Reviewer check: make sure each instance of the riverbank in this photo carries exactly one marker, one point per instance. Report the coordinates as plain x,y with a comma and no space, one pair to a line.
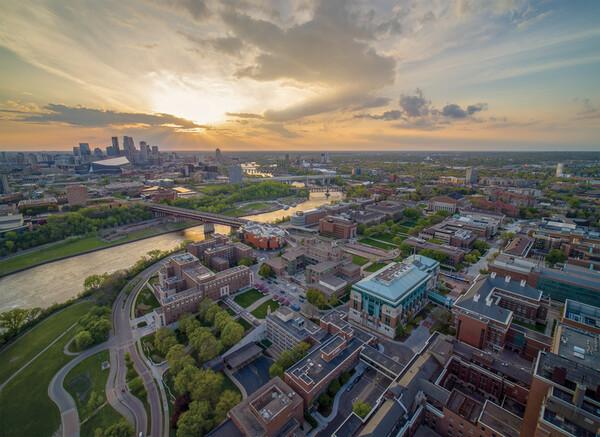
80,246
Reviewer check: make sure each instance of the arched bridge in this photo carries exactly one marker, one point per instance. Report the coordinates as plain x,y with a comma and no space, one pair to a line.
205,217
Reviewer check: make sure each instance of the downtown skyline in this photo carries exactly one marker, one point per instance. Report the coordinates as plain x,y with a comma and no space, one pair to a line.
301,75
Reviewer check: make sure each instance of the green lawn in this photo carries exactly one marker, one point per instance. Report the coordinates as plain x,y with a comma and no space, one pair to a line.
247,298
375,266
359,260
105,417
76,245
145,302
379,244
28,345
87,378
261,311
25,408
229,385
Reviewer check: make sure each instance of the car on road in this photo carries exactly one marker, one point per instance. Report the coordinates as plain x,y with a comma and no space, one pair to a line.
295,307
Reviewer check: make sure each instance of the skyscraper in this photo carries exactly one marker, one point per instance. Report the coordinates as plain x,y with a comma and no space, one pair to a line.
84,149
560,167
115,146
471,176
218,155
4,186
144,152
235,173
129,148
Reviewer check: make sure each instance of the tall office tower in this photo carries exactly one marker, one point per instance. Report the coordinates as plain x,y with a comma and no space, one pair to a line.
235,174
219,156
4,186
144,152
76,151
129,148
110,151
98,152
471,176
84,149
115,146
560,167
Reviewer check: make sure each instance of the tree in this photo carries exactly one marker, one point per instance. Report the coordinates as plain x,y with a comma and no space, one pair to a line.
231,333
481,246
188,323
325,402
119,429
83,340
95,400
203,307
246,261
211,313
227,401
164,339
94,282
206,386
13,320
183,380
361,408
555,256
195,421
397,240
334,387
266,271
276,370
222,318
316,297
205,344
178,358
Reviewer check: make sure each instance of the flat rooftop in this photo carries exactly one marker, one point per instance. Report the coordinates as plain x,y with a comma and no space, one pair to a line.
393,282
582,313
500,420
578,345
574,275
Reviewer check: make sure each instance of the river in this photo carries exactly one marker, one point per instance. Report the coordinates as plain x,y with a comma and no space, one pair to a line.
61,280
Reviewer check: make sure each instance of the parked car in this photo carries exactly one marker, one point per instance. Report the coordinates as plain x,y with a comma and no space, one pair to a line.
295,307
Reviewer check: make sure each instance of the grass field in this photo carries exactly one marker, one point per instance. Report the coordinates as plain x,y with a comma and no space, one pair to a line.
261,311
247,298
75,246
375,266
27,346
359,260
87,378
27,393
145,302
379,244
103,418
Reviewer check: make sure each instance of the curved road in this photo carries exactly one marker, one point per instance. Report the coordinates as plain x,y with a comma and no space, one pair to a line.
56,391
124,342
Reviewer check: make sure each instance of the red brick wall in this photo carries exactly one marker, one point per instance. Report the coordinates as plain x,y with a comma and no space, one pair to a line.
471,331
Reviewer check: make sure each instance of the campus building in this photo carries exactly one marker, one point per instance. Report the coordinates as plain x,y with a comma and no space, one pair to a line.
286,328
184,282
337,227
273,410
263,236
557,284
443,203
454,255
392,295
487,316
449,389
451,233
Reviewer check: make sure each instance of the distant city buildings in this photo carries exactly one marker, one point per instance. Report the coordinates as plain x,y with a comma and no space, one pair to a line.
235,174
471,176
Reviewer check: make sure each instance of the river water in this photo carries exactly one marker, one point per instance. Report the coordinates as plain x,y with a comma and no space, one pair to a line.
61,280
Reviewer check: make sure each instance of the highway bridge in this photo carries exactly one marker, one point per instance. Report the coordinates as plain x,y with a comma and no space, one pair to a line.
206,217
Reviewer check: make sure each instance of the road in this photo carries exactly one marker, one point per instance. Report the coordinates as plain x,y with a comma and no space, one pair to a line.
122,342
68,409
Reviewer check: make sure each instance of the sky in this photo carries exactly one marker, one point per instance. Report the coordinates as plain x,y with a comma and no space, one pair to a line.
301,74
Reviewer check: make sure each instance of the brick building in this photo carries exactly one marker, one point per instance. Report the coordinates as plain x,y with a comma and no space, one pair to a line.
337,227
184,282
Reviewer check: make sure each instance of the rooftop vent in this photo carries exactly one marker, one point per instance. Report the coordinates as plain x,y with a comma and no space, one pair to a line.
523,282
476,298
507,279
493,275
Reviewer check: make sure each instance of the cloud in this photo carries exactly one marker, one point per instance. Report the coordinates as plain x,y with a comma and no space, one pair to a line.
330,52
279,129
415,106
229,45
588,111
198,9
417,112
88,117
244,115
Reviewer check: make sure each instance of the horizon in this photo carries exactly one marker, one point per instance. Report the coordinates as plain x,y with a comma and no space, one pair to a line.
388,75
